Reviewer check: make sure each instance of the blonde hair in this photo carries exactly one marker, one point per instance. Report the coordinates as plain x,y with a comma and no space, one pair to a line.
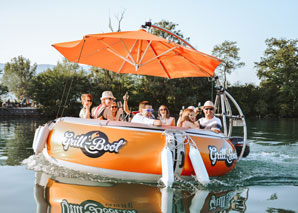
185,117
83,96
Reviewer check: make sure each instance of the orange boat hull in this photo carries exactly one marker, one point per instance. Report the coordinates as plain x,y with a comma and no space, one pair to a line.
130,151
72,195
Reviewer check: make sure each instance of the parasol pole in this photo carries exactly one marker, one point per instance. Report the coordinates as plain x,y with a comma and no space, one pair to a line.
149,24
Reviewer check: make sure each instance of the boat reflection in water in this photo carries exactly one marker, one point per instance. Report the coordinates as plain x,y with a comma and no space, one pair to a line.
75,195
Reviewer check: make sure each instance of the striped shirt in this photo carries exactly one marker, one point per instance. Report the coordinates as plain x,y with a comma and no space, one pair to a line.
212,124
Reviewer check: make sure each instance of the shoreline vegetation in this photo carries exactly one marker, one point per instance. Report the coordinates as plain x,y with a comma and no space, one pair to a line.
58,89
46,89
19,112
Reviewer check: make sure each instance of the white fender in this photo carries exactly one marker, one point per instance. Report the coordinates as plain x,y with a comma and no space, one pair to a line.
198,201
167,195
198,165
40,138
167,167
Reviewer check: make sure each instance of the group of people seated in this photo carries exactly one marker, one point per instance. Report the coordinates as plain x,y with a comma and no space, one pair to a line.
110,110
107,110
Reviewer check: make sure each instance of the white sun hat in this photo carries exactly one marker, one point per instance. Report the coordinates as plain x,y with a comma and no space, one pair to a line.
107,94
208,104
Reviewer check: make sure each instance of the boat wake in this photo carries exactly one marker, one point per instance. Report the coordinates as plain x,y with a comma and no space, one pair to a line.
38,163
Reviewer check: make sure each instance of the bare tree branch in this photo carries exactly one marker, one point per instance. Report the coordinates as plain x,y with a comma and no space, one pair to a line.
110,24
120,18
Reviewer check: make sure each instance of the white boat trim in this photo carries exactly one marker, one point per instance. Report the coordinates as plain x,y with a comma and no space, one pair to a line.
140,127
107,173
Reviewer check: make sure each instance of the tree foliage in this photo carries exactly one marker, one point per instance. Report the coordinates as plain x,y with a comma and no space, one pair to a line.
228,53
3,89
17,76
278,71
60,87
174,93
64,84
168,25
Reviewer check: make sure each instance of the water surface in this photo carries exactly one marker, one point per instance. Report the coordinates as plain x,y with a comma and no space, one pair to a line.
266,181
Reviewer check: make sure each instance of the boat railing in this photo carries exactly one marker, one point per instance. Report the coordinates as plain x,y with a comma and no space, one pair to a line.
224,111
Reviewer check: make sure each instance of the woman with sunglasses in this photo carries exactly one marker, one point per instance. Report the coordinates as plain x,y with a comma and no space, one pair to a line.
116,112
188,119
210,122
164,116
86,100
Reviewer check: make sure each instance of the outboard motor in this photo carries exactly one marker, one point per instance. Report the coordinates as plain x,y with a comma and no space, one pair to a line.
238,144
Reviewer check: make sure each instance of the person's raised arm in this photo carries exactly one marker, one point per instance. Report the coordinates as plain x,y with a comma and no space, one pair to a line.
157,123
125,99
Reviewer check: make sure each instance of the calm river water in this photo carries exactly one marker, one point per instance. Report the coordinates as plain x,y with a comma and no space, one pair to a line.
266,181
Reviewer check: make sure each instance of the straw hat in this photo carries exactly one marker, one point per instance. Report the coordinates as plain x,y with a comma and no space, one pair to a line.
208,104
107,94
191,107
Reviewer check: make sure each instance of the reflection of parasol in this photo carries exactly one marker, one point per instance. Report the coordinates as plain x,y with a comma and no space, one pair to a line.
139,52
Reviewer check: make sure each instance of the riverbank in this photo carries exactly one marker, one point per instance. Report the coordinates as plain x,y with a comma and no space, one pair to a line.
19,112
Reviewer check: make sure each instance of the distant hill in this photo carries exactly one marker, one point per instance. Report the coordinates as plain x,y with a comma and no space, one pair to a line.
40,67
43,67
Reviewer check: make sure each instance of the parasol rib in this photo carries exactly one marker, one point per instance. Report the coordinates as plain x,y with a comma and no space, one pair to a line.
199,68
157,56
139,51
126,57
145,51
160,62
127,51
110,49
81,51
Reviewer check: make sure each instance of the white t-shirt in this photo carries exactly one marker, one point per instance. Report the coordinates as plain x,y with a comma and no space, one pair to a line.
168,121
84,113
141,119
212,124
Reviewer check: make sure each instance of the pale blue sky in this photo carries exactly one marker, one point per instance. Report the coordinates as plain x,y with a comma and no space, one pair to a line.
29,27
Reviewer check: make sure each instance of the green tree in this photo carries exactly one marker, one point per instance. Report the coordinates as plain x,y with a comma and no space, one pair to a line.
228,53
61,86
18,75
102,79
174,93
3,89
168,25
278,72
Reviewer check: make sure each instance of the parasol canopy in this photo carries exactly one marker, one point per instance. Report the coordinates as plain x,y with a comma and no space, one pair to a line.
140,53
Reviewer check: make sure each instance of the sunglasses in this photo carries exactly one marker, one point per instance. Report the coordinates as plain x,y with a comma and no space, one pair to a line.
109,99
209,109
114,107
162,109
89,100
148,110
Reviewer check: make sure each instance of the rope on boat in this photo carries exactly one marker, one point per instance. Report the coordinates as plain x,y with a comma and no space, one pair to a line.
65,102
61,99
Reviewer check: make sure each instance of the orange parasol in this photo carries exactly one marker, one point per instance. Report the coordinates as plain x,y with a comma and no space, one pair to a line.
140,53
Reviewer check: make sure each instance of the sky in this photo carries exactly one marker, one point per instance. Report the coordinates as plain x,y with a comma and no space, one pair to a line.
28,28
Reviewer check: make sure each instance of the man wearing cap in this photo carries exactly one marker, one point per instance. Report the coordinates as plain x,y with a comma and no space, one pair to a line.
210,122
103,111
145,115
